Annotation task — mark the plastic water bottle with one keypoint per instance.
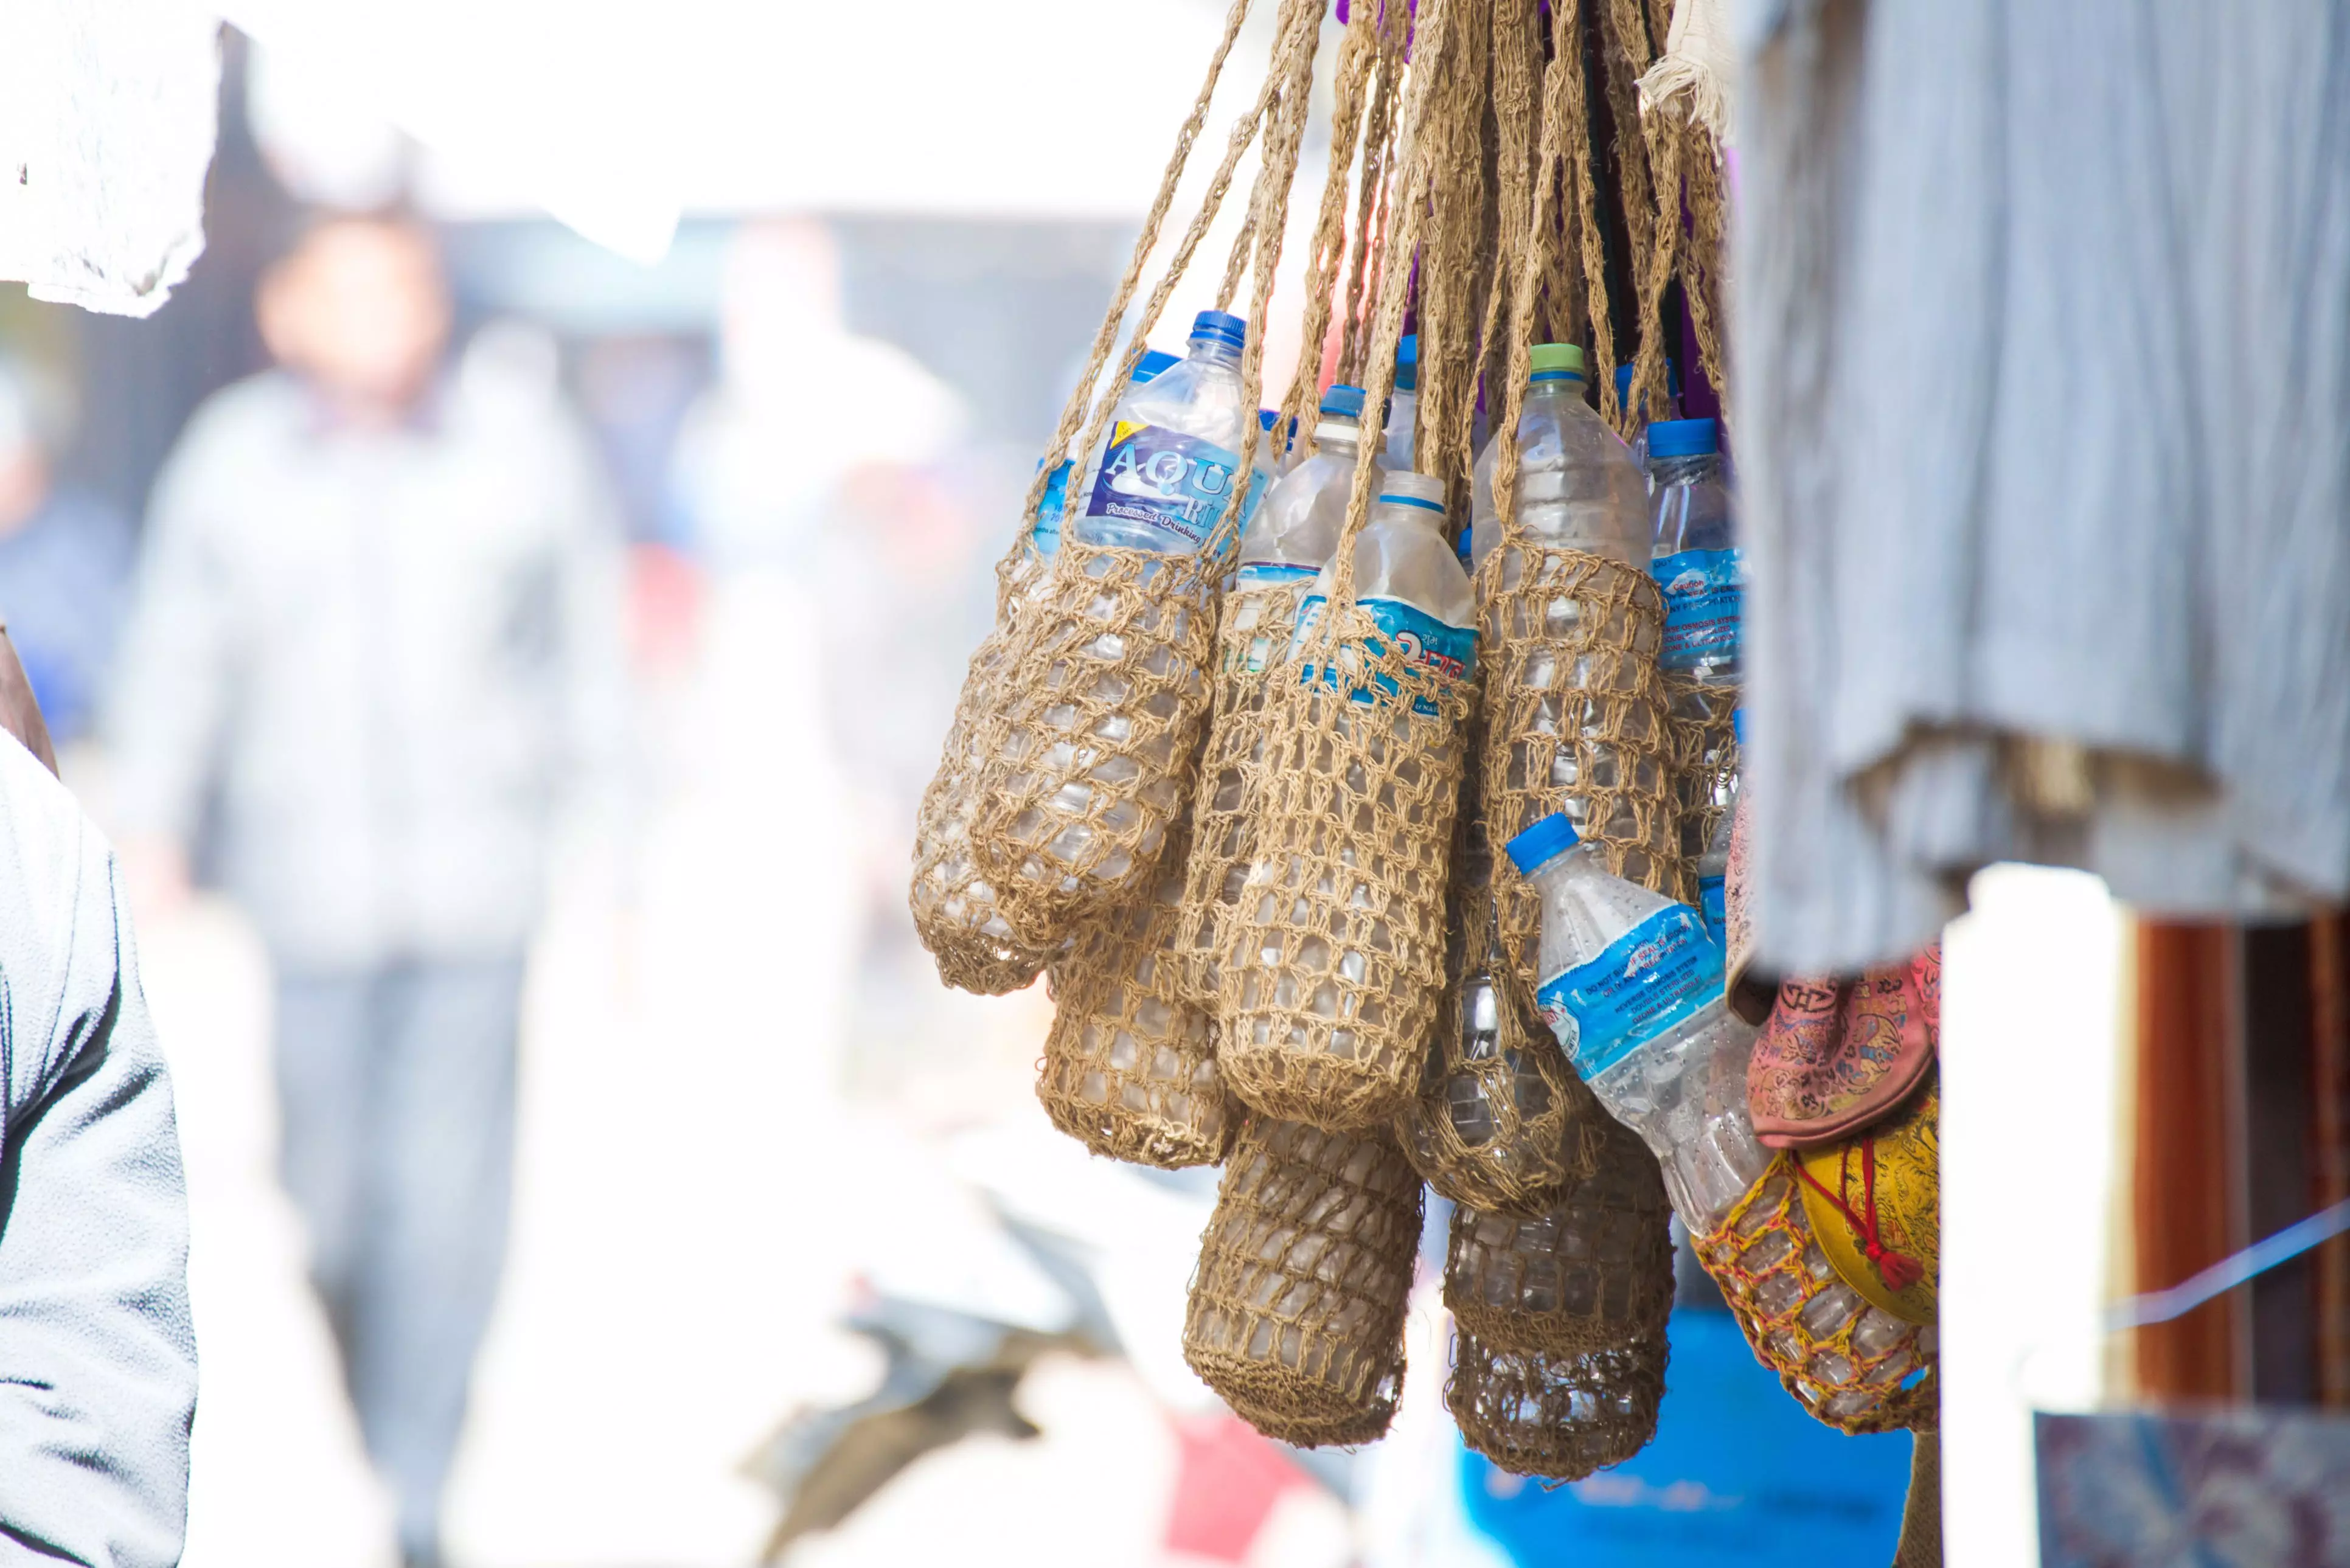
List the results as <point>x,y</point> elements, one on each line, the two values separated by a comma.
<point>1045,535</point>
<point>1578,485</point>
<point>1164,474</point>
<point>1713,864</point>
<point>1695,551</point>
<point>1410,581</point>
<point>1296,531</point>
<point>1632,987</point>
<point>1403,406</point>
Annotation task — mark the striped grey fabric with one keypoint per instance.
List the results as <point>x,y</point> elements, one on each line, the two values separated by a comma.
<point>2043,419</point>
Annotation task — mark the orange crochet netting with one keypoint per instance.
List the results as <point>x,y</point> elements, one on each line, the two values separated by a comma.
<point>1296,1312</point>
<point>1089,757</point>
<point>1129,1066</point>
<point>1575,718</point>
<point>1593,1269</point>
<point>1705,759</point>
<point>954,906</point>
<point>1558,1417</point>
<point>1335,971</point>
<point>1252,643</point>
<point>1855,1366</point>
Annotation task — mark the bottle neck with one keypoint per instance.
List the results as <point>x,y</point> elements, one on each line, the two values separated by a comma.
<point>1216,351</point>
<point>1687,468</point>
<point>1429,517</point>
<point>1336,433</point>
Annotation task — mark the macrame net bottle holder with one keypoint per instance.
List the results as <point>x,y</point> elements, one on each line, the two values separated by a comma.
<point>1593,1269</point>
<point>1089,757</point>
<point>1501,1122</point>
<point>1855,1366</point>
<point>955,907</point>
<point>1129,1066</point>
<point>1296,1311</point>
<point>1336,968</point>
<point>1556,1417</point>
<point>1576,720</point>
<point>1252,645</point>
<point>1705,760</point>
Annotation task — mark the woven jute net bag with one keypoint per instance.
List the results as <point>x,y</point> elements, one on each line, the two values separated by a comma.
<point>1088,758</point>
<point>1596,1268</point>
<point>1855,1366</point>
<point>1557,1416</point>
<point>1705,760</point>
<point>1575,718</point>
<point>1296,1312</point>
<point>1130,1065</point>
<point>955,907</point>
<point>1252,645</point>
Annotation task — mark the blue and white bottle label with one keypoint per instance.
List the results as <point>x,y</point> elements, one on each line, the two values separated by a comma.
<point>1450,651</point>
<point>1166,479</point>
<point>1660,974</point>
<point>1702,596</point>
<point>1713,902</point>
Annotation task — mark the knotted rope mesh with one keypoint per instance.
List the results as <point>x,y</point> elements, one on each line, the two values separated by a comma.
<point>1252,645</point>
<point>1130,1065</point>
<point>1855,1366</point>
<point>1593,1270</point>
<point>1296,1311</point>
<point>1576,718</point>
<point>1704,763</point>
<point>1557,1416</point>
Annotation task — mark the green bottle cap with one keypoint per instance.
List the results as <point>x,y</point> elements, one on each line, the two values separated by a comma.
<point>1557,359</point>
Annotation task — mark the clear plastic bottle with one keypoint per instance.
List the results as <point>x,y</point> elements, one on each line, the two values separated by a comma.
<point>1164,473</point>
<point>1045,535</point>
<point>1713,865</point>
<point>1294,534</point>
<point>1408,578</point>
<point>1632,987</point>
<point>1695,551</point>
<point>1578,486</point>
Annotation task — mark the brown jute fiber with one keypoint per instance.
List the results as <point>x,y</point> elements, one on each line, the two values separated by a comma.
<point>1089,756</point>
<point>1296,1313</point>
<point>1854,1367</point>
<point>1921,1545</point>
<point>1575,718</point>
<point>1705,760</point>
<point>1593,1269</point>
<point>1501,1122</point>
<point>1557,1417</point>
<point>954,906</point>
<point>1252,645</point>
<point>1129,1066</point>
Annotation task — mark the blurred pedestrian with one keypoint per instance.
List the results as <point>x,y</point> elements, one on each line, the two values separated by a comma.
<point>64,559</point>
<point>376,634</point>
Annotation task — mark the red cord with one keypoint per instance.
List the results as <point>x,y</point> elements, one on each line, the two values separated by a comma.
<point>1898,1270</point>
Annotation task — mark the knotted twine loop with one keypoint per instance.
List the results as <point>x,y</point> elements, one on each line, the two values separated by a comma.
<point>1372,212</point>
<point>1705,762</point>
<point>1552,1416</point>
<point>1296,1315</point>
<point>1088,760</point>
<point>1129,1067</point>
<point>1855,1366</point>
<point>1570,109</point>
<point>1593,1270</point>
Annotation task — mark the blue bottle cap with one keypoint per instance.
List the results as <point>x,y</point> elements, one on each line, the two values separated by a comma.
<point>1152,362</point>
<point>1737,726</point>
<point>1407,377</point>
<point>1266,419</point>
<point>1344,399</point>
<point>1684,438</point>
<point>1219,326</point>
<point>1624,380</point>
<point>1545,841</point>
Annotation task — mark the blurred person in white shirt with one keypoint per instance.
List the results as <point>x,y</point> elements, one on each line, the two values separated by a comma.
<point>376,646</point>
